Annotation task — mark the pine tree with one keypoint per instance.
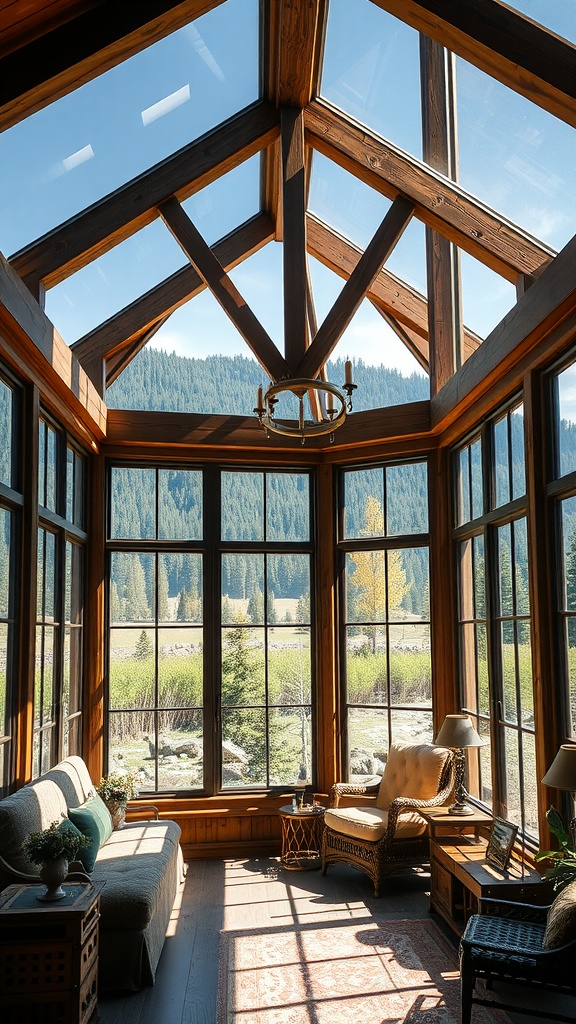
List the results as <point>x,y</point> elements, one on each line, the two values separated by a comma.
<point>144,647</point>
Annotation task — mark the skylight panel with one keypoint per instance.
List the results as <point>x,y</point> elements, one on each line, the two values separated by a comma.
<point>516,157</point>
<point>87,144</point>
<point>371,71</point>
<point>557,15</point>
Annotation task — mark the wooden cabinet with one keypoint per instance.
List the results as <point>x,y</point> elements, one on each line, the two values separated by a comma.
<point>49,955</point>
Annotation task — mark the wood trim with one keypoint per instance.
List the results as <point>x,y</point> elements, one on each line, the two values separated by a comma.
<point>52,63</point>
<point>33,346</point>
<point>501,42</point>
<point>327,702</point>
<point>443,602</point>
<point>366,270</point>
<point>549,709</point>
<point>114,218</point>
<point>439,203</point>
<point>223,289</point>
<point>95,620</point>
<point>28,587</point>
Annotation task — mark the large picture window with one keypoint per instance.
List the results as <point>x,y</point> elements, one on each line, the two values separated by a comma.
<point>386,611</point>
<point>210,628</point>
<point>59,598</point>
<point>494,617</point>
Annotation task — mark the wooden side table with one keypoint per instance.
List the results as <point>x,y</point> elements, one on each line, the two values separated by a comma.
<point>301,838</point>
<point>49,955</point>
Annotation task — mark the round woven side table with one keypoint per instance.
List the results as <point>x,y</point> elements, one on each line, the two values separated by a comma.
<point>301,837</point>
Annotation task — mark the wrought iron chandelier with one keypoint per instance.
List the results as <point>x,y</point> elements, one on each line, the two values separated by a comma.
<point>334,403</point>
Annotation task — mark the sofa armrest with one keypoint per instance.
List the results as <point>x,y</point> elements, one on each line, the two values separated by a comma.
<point>17,876</point>
<point>133,808</point>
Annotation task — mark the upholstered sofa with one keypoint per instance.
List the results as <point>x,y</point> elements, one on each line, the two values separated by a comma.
<point>140,863</point>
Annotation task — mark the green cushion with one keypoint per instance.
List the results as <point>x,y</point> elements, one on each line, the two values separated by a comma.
<point>93,819</point>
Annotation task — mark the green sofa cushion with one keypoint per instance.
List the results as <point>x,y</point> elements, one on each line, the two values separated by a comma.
<point>93,819</point>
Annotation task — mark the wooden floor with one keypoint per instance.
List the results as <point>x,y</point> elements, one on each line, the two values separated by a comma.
<point>233,894</point>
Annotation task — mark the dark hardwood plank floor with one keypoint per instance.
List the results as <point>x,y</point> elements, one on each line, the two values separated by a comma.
<point>231,894</point>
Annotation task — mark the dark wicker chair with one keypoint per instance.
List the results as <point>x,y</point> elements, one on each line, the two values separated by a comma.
<point>505,943</point>
<point>382,832</point>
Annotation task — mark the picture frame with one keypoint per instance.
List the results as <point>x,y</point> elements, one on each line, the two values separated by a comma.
<point>502,837</point>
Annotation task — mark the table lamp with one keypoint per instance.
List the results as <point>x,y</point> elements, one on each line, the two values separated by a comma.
<point>458,733</point>
<point>562,775</point>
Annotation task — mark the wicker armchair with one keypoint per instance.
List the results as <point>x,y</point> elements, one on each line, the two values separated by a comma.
<point>506,942</point>
<point>382,832</point>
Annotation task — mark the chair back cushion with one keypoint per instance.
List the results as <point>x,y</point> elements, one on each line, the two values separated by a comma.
<point>412,769</point>
<point>561,919</point>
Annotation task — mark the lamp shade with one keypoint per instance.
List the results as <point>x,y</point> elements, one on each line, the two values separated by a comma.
<point>562,772</point>
<point>458,731</point>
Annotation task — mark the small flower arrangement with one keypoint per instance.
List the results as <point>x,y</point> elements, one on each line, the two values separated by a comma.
<point>118,786</point>
<point>54,842</point>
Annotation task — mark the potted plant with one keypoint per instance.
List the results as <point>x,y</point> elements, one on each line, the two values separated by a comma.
<point>116,789</point>
<point>562,869</point>
<point>53,849</point>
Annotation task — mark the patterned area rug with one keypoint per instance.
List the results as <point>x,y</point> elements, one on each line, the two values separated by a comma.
<point>400,971</point>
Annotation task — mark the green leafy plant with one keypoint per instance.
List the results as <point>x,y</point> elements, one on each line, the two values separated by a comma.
<point>120,786</point>
<point>54,842</point>
<point>562,869</point>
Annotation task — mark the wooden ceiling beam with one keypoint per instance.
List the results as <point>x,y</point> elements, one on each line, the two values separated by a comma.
<point>69,55</point>
<point>355,288</point>
<point>107,223</point>
<point>501,42</point>
<point>439,203</point>
<point>294,235</point>
<point>150,309</point>
<point>296,50</point>
<point>223,289</point>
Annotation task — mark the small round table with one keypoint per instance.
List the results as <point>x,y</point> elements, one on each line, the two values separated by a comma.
<point>301,837</point>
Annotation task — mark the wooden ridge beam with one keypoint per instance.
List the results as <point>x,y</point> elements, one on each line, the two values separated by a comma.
<point>439,202</point>
<point>501,42</point>
<point>73,53</point>
<point>223,289</point>
<point>98,229</point>
<point>353,292</point>
<point>295,51</point>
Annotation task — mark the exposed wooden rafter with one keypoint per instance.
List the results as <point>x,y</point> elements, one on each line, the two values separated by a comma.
<point>223,289</point>
<point>41,62</point>
<point>90,234</point>
<point>294,235</point>
<point>503,43</point>
<point>439,203</point>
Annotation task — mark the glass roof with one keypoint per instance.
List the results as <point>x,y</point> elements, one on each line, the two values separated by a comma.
<point>371,71</point>
<point>515,157</point>
<point>89,143</point>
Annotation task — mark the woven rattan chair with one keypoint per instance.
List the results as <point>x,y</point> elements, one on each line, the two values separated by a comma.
<point>382,832</point>
<point>506,943</point>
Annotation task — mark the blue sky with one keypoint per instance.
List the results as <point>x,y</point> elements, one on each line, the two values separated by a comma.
<point>513,156</point>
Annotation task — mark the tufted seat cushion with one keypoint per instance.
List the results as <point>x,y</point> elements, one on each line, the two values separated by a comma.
<point>413,770</point>
<point>370,823</point>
